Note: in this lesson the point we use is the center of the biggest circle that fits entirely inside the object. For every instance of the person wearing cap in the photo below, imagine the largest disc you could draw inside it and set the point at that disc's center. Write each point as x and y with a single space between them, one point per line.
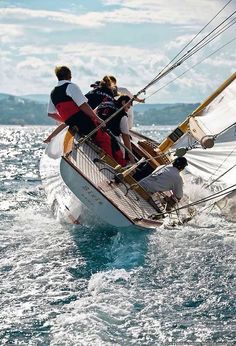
124 91
166 178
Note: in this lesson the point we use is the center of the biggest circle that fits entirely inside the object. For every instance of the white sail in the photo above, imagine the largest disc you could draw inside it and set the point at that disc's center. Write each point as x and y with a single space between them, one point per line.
218 119
219 115
61 200
217 163
54 150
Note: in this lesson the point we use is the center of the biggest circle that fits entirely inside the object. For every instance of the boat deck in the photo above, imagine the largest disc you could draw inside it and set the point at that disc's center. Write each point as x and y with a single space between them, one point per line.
121 195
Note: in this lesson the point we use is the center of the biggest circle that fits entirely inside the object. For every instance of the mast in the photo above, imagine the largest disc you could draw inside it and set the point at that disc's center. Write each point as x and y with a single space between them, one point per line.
214 95
182 128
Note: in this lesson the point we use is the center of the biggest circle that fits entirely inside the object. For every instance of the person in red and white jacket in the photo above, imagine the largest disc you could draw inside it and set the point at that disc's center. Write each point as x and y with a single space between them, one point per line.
69 106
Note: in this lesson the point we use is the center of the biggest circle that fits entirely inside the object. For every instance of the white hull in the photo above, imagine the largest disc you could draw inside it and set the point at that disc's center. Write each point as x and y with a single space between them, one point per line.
92 197
73 183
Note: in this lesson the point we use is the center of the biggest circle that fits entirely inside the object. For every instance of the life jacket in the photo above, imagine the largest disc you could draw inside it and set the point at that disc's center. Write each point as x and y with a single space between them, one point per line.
99 95
64 104
105 110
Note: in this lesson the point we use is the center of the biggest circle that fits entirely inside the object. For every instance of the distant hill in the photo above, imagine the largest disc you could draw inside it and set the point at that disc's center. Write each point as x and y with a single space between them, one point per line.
3 96
32 110
15 110
41 98
142 107
168 114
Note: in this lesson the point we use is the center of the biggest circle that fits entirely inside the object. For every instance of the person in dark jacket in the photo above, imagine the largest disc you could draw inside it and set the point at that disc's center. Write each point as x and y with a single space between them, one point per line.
102 92
118 124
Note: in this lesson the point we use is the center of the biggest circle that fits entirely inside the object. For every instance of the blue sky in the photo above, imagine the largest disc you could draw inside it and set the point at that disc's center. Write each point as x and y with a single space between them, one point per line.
131 39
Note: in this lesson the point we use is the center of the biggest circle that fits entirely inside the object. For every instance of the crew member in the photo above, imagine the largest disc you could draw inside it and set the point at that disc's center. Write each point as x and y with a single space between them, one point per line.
124 91
118 124
166 178
68 105
103 91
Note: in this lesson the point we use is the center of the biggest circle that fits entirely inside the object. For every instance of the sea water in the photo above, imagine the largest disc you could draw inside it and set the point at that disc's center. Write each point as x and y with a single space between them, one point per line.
96 285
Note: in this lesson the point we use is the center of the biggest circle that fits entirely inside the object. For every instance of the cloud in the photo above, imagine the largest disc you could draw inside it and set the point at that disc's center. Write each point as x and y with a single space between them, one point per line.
88 20
133 66
89 62
133 12
180 41
222 61
30 63
172 12
9 32
102 59
30 49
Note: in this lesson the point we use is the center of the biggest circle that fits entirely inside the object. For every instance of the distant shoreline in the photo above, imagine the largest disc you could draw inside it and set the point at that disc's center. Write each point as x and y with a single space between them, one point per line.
19 111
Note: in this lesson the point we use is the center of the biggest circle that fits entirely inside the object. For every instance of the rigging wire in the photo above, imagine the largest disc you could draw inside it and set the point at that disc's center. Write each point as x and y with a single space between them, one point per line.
202 200
89 135
227 128
205 208
213 37
192 51
172 60
214 31
220 176
213 196
198 63
164 73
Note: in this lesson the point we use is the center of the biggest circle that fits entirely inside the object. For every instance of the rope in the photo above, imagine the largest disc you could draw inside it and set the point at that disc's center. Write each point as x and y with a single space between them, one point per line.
206 199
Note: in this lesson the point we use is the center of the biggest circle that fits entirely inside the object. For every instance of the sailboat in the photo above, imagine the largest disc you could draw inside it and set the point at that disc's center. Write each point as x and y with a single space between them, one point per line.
89 177
77 174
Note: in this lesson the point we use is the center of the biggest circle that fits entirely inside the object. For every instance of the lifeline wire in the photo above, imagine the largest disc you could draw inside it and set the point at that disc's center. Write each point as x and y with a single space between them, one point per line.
220 176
